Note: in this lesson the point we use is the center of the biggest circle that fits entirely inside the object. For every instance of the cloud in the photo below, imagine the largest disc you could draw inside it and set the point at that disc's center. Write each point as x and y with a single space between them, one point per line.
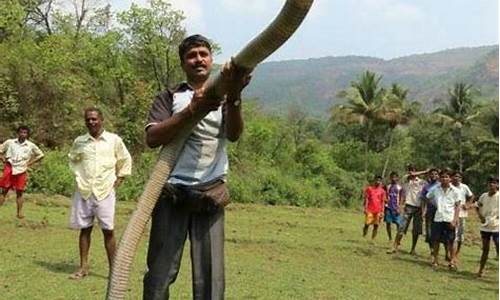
390 10
193 12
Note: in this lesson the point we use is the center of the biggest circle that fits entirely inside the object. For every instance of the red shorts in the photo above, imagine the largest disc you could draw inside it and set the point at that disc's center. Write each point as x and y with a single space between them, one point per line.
16 182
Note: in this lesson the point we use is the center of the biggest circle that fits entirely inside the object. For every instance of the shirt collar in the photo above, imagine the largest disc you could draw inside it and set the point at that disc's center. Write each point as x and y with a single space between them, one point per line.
103 136
182 87
23 143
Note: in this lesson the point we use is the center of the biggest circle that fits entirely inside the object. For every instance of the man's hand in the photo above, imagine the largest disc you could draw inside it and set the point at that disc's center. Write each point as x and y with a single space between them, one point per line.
118 181
199 103
235 79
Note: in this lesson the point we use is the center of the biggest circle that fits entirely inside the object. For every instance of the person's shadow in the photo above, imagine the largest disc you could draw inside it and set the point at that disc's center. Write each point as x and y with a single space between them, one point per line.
64 267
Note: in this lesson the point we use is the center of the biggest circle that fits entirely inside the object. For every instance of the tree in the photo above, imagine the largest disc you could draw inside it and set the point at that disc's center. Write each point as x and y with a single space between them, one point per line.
397 110
153 35
459 114
365 104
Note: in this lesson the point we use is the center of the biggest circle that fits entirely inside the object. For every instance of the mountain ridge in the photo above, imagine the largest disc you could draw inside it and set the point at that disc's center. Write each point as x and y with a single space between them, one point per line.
312 84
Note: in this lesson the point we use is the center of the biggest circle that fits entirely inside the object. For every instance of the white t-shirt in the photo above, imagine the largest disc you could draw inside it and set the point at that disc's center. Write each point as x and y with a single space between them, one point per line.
445 202
463 192
488 208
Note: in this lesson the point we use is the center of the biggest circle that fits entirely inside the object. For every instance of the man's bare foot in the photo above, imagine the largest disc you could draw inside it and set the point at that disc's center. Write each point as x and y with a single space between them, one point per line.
20 216
79 274
479 274
412 252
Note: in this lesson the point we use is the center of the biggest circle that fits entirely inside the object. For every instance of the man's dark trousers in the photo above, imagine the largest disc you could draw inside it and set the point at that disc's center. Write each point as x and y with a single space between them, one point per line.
171 223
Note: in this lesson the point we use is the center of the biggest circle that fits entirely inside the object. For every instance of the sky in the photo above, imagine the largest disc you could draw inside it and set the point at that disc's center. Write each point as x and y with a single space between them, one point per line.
379 28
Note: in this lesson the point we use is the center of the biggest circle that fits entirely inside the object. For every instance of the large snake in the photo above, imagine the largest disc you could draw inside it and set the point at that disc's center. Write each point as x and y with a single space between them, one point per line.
276 34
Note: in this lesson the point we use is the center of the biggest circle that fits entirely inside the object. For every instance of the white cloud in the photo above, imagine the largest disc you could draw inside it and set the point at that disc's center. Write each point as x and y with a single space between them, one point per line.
390 10
193 12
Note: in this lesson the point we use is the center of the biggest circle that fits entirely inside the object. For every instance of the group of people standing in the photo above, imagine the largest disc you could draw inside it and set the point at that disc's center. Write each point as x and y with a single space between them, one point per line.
193 199
441 201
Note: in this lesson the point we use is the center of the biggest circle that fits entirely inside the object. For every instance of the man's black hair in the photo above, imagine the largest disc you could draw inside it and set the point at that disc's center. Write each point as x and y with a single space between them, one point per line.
95 109
196 40
378 177
24 127
393 174
458 173
493 179
446 171
411 167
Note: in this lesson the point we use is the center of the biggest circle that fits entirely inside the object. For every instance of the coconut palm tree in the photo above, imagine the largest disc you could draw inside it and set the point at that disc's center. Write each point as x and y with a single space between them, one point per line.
365 102
459 114
397 110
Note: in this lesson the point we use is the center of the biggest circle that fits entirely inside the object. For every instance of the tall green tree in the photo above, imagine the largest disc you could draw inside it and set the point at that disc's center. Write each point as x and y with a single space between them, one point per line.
397 110
365 104
459 114
153 34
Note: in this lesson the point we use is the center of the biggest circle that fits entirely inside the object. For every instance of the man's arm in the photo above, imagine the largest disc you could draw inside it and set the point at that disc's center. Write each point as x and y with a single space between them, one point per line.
455 214
38 155
166 130
236 80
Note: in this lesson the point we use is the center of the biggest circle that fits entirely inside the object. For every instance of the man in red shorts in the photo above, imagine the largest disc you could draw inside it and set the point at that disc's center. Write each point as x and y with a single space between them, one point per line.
375 197
17 156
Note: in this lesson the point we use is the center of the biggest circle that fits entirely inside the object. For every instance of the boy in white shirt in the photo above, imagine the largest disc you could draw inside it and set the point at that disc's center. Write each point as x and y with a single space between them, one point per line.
446 200
487 210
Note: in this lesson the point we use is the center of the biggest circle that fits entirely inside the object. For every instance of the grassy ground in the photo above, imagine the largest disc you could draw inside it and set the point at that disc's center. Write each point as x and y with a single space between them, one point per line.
271 253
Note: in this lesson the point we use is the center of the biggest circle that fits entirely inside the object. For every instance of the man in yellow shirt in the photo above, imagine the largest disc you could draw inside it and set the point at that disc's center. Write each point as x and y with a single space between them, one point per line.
99 160
17 156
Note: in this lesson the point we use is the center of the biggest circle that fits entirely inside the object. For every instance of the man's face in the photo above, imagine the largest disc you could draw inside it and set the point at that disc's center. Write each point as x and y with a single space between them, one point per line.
197 63
22 135
93 122
493 186
434 175
394 178
445 179
377 182
457 178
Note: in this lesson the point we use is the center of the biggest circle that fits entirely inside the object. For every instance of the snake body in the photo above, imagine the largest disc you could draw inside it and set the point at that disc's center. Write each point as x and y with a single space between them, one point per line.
276 34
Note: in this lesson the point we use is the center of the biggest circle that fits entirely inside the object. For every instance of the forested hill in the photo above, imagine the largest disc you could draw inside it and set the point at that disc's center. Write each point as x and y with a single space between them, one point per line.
313 84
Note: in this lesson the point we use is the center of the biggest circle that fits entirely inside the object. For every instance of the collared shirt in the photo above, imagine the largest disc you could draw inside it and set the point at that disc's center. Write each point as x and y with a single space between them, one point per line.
97 162
375 198
203 158
445 202
488 208
19 154
412 189
464 193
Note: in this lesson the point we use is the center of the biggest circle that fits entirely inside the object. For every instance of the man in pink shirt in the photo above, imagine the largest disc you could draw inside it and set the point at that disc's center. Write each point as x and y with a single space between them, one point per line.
374 199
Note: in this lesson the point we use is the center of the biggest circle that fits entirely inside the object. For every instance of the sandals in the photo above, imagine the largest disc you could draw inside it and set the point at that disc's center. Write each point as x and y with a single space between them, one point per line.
80 274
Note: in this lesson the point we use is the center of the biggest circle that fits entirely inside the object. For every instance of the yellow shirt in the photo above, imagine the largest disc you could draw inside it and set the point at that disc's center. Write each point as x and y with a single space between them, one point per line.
19 154
97 163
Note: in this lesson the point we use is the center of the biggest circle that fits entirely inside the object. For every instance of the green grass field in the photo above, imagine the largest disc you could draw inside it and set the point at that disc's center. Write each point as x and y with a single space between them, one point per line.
271 253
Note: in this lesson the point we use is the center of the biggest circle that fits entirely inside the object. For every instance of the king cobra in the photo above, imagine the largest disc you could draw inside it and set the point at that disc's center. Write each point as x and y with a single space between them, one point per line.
276 34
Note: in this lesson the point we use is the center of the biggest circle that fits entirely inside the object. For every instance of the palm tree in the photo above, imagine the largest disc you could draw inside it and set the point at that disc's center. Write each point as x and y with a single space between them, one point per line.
364 104
459 113
397 110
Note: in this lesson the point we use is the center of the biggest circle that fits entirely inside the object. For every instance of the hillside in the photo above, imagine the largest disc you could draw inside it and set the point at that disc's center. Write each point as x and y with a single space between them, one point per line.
312 84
